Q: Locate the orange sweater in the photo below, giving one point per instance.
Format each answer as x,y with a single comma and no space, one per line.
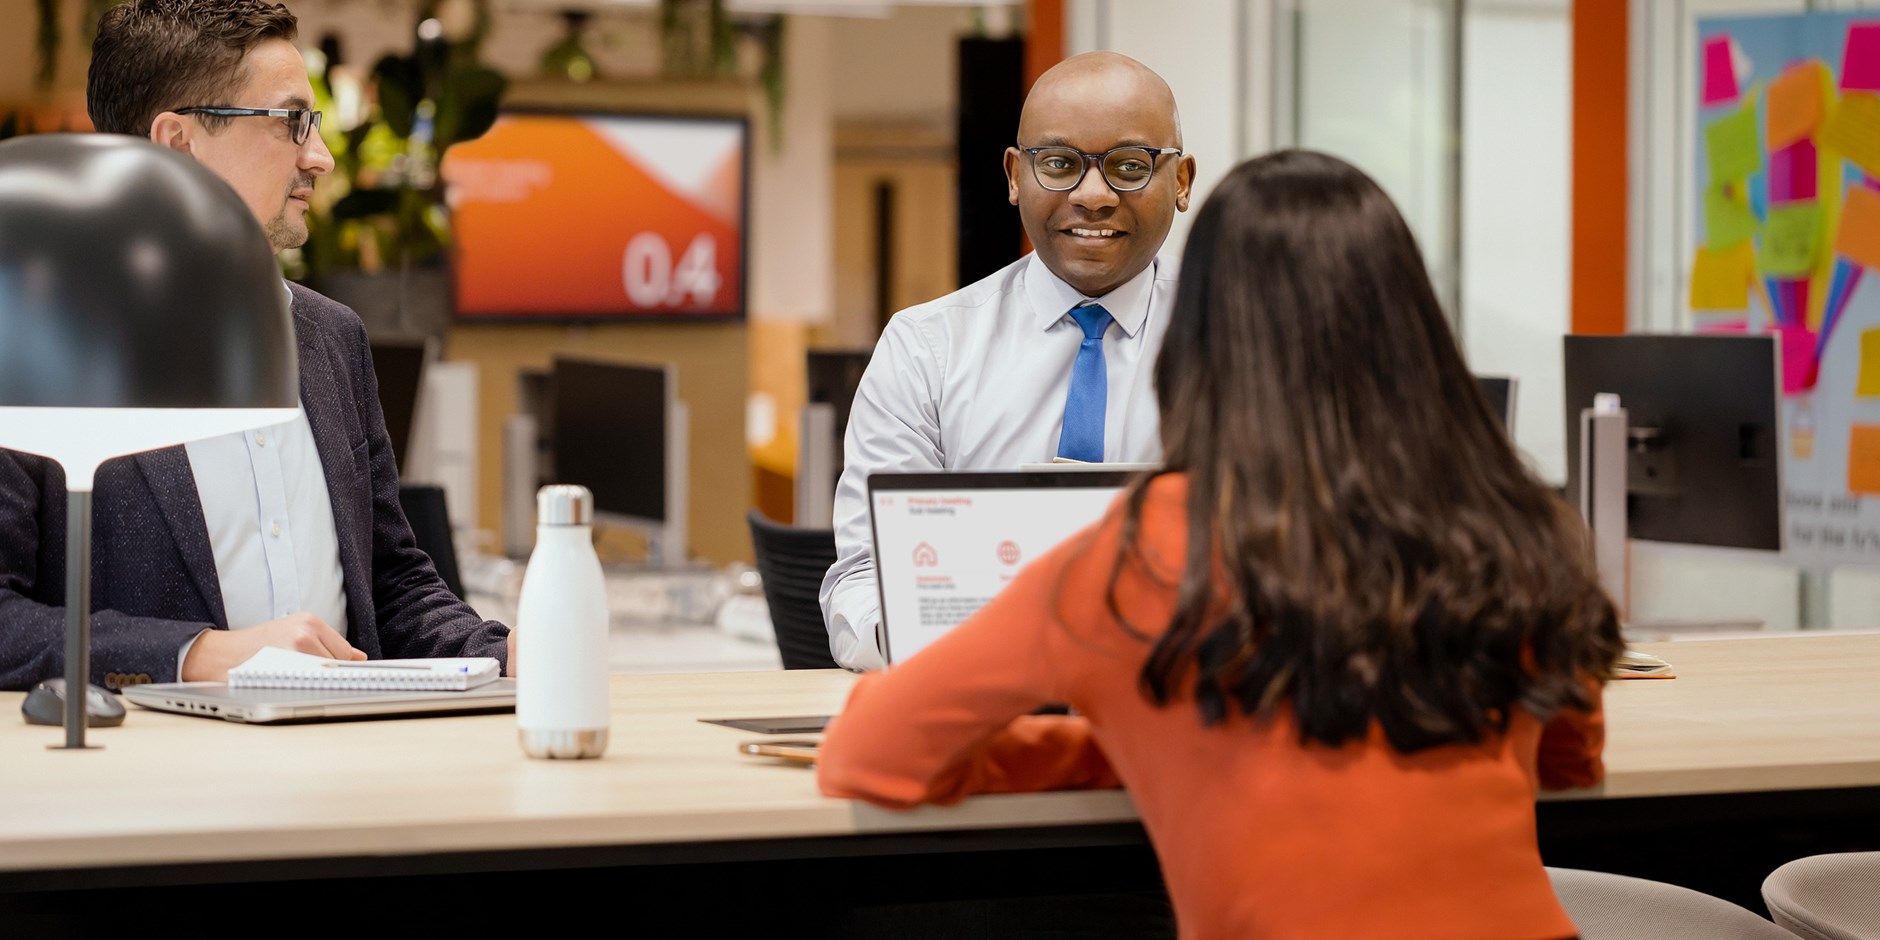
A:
1258,835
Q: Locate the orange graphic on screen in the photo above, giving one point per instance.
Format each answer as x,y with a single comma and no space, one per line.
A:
596,216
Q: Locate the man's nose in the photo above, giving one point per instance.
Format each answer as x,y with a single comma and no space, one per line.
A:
1093,191
315,158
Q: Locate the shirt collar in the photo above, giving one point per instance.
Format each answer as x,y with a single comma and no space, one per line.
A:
1052,299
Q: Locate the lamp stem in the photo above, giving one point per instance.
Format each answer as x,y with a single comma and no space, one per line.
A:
77,616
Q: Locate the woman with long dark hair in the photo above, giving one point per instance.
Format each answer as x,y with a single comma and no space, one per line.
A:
1332,648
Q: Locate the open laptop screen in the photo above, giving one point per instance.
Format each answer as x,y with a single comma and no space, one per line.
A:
945,543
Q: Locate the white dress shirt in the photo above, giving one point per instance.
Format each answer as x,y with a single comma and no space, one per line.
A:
270,521
976,381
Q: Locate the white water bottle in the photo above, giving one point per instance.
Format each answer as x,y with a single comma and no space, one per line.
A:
561,632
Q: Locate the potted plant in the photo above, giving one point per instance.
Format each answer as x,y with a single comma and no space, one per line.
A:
381,233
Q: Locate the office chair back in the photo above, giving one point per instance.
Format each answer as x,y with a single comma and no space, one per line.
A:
792,562
1827,897
1616,907
430,524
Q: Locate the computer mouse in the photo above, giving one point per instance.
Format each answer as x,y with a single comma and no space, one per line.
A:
45,705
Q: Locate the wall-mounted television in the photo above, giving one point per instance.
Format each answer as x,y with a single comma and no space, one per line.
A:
600,216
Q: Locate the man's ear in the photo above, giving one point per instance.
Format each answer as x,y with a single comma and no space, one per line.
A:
1184,182
1012,159
169,129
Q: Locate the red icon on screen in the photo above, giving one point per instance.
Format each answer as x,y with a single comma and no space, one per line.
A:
1008,552
925,556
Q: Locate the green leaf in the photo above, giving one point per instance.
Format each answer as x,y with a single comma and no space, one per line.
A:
400,81
467,108
361,203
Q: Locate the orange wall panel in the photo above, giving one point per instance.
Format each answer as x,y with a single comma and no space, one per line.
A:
1599,165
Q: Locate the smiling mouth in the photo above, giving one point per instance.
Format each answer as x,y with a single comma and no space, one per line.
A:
1104,233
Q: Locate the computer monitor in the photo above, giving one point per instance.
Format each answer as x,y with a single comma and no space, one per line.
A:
621,431
833,376
1702,460
400,371
1499,390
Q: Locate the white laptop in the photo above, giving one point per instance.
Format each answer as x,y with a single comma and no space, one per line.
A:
273,706
945,543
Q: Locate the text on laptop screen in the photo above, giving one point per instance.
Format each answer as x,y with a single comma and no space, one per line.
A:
942,553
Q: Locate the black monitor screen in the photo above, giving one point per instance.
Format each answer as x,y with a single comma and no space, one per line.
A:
1702,465
1499,390
834,374
610,434
400,371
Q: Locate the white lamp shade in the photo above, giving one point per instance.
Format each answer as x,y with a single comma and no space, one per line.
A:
82,438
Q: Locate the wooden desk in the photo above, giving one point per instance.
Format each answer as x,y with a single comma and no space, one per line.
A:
1774,714
1789,711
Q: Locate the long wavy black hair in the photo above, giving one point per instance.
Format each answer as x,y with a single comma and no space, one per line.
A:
1363,542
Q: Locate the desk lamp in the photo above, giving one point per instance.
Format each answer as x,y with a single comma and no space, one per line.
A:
140,307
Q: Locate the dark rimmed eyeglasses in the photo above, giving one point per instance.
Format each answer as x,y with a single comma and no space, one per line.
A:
303,121
1126,169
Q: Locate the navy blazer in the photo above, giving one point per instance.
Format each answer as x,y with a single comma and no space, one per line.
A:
154,583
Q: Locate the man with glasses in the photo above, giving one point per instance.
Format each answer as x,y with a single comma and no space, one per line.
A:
1051,357
288,536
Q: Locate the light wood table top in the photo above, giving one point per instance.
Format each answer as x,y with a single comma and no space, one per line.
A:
1787,711
1775,713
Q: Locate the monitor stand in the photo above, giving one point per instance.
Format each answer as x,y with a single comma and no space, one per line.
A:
1604,440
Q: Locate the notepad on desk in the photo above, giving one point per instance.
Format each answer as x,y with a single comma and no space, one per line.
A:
276,668
1633,664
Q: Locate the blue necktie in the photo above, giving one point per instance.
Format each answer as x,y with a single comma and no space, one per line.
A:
1090,389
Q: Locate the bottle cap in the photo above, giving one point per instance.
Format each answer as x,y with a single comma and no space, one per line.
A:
564,504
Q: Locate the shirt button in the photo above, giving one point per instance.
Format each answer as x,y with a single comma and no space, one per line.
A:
276,530
261,440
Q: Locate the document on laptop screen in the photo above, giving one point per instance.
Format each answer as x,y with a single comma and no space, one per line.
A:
942,553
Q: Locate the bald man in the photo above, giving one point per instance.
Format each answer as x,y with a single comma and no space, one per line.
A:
1051,356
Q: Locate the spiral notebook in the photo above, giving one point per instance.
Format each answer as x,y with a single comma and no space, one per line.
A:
276,668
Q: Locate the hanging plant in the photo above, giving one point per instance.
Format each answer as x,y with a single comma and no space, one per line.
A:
49,36
392,213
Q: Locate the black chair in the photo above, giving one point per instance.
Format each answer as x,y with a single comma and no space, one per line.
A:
430,525
792,562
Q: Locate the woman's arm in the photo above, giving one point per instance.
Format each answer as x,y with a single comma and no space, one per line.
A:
1572,742
955,719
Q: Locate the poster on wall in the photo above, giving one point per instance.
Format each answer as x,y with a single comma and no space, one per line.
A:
600,217
1787,200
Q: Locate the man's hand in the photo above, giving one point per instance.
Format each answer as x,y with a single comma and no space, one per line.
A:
217,651
511,662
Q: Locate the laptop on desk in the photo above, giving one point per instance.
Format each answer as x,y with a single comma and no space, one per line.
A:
945,543
276,706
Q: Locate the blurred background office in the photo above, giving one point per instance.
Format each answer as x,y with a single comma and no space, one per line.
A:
807,167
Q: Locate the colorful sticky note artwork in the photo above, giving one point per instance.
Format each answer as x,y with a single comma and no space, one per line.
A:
1791,239
1719,72
1793,105
1868,383
1718,325
1720,279
1853,130
1732,147
1726,221
1792,172
1798,359
1857,238
1860,61
1863,459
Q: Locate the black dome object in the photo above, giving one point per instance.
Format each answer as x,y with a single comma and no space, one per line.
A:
132,276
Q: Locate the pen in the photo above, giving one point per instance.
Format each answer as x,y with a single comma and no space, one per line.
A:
369,665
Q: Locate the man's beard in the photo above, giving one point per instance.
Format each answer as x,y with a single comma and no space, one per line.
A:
283,233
